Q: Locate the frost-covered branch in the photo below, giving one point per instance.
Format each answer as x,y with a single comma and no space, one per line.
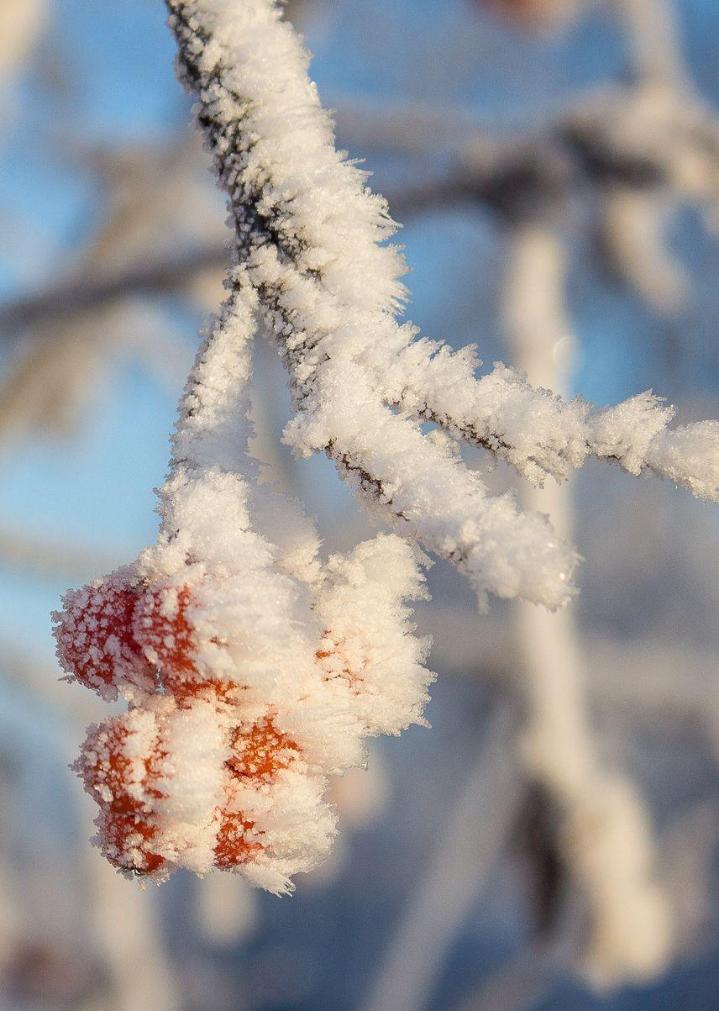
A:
540,433
312,238
253,668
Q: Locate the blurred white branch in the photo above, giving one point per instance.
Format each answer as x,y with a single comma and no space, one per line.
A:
46,558
41,683
129,934
652,34
467,848
227,908
603,830
634,225
153,276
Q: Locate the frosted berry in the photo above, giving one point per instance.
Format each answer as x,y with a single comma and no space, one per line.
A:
95,644
258,754
163,630
147,769
118,765
334,661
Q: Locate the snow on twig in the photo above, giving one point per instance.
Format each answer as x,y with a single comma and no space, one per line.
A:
312,237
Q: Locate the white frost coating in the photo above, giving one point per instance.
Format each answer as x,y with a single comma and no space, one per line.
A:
294,824
362,607
627,430
689,455
533,429
192,772
536,430
214,402
308,232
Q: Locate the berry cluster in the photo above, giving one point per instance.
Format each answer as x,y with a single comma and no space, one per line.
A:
222,757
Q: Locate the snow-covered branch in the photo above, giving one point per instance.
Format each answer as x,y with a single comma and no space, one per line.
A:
312,238
604,831
542,434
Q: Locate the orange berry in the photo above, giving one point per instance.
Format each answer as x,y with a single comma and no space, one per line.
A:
224,693
258,755
234,845
260,752
164,632
124,785
94,638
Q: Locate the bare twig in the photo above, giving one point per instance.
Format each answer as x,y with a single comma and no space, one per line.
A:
152,277
45,558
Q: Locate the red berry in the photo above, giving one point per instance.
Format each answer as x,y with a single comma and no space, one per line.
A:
94,637
125,763
260,752
235,845
163,631
258,755
124,784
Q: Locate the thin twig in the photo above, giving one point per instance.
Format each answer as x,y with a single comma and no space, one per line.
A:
156,276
